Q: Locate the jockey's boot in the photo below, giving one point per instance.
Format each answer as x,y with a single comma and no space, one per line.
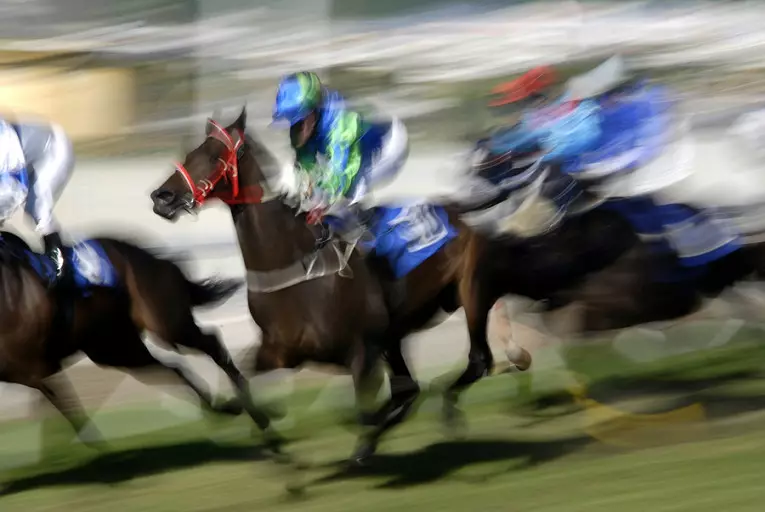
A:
325,236
356,225
54,249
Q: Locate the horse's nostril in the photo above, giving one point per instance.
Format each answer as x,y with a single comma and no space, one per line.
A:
163,196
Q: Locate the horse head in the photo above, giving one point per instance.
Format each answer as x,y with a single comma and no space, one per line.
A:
220,168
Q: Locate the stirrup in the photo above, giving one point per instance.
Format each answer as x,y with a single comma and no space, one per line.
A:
346,271
325,236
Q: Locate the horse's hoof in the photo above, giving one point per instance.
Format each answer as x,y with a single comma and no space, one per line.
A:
295,489
231,407
275,411
454,422
296,480
274,442
98,447
363,453
92,439
521,361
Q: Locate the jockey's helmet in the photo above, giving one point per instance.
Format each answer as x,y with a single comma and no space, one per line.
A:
297,96
528,86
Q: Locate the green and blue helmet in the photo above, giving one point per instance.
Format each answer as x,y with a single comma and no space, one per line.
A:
297,96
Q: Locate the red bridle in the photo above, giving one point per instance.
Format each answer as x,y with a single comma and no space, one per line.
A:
227,171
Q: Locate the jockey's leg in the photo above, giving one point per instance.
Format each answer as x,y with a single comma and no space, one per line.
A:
13,192
50,158
352,219
14,184
351,209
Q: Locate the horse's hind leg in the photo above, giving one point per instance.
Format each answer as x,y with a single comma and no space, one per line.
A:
46,377
169,316
211,345
59,392
128,352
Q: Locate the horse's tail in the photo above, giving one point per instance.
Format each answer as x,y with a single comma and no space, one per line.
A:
212,291
207,292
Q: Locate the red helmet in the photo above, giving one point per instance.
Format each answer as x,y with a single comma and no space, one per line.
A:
533,81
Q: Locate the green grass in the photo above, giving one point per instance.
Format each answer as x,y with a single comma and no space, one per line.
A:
528,451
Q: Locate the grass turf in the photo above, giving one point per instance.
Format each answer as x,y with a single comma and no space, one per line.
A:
534,452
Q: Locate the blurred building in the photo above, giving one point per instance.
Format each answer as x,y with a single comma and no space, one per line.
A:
140,75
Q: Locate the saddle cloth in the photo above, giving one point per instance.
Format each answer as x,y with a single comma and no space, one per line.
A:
89,262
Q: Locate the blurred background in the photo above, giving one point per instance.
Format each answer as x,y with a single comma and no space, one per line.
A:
132,77
132,82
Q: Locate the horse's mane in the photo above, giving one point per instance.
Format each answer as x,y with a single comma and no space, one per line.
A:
270,166
267,161
275,173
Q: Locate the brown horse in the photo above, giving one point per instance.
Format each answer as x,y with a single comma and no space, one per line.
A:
313,302
39,329
592,273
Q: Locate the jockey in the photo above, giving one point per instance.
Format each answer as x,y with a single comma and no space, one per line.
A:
339,153
37,161
605,122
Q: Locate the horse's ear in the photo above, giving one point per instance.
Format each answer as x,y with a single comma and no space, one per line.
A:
209,126
241,121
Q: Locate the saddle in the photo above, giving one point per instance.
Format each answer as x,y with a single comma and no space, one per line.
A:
13,246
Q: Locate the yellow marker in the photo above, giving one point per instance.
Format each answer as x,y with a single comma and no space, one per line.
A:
616,427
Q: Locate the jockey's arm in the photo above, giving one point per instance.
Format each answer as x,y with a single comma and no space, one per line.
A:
573,134
344,154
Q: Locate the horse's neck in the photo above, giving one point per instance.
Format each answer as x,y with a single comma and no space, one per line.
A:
270,235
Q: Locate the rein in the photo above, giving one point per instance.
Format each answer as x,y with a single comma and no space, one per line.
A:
227,171
323,261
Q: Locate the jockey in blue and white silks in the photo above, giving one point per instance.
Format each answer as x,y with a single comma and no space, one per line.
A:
341,154
36,162
622,136
610,130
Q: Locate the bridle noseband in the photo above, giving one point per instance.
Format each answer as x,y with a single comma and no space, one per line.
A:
227,171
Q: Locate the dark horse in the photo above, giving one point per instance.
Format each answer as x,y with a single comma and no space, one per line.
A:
40,329
592,272
309,305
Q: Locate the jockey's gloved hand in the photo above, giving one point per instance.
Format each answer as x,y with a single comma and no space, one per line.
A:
54,249
316,216
315,199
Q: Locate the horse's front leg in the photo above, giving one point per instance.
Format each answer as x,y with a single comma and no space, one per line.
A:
404,392
477,300
367,381
270,364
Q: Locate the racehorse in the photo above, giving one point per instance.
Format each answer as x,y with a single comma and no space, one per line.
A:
117,291
590,269
323,302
